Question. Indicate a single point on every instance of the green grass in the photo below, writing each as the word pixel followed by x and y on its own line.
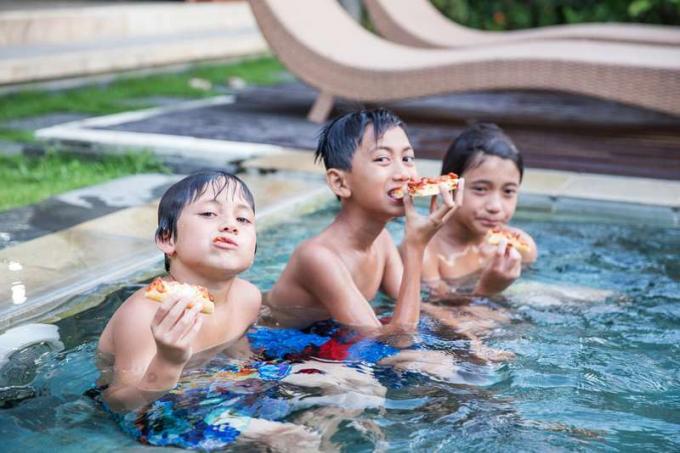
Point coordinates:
pixel 17 135
pixel 125 92
pixel 26 180
pixel 29 179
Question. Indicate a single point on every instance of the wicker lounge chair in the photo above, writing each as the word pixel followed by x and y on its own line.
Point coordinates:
pixel 418 23
pixel 322 45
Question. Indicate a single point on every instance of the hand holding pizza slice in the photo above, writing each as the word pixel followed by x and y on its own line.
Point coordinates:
pixel 159 290
pixel 513 239
pixel 425 186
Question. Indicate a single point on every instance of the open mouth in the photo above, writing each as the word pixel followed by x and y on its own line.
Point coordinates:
pixel 396 194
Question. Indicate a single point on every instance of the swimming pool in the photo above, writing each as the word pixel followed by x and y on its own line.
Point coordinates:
pixel 594 369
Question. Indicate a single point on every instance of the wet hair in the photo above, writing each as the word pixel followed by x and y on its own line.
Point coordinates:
pixel 480 139
pixel 190 189
pixel 340 138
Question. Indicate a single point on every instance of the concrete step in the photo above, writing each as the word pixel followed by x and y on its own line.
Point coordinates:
pixel 48 44
pixel 86 22
pixel 35 63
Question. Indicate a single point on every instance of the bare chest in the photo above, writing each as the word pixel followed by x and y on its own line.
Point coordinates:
pixel 217 333
pixel 455 264
pixel 367 272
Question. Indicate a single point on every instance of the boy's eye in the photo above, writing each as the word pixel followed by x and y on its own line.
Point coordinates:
pixel 409 159
pixel 381 159
pixel 243 220
pixel 208 214
pixel 510 191
pixel 479 189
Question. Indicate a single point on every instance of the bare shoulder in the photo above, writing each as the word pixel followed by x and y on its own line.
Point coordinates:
pixel 248 293
pixel 137 306
pixel 531 256
pixel 313 252
pixel 131 319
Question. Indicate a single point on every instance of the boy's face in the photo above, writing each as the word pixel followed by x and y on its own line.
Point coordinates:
pixel 490 195
pixel 378 168
pixel 215 234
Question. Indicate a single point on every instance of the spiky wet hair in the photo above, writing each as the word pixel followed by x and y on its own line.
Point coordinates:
pixel 341 137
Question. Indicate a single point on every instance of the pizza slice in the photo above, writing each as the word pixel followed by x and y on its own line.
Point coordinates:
pixel 159 290
pixel 425 187
pixel 514 239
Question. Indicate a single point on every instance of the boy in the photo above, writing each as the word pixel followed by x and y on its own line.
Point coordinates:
pixel 206 229
pixel 368 157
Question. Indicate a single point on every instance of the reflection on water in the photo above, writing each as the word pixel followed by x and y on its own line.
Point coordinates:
pixel 18 293
pixel 594 327
pixel 17 288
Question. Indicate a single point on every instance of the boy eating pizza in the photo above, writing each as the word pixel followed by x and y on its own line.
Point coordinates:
pixel 206 229
pixel 368 160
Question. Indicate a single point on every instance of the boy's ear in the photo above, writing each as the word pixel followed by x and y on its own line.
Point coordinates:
pixel 166 244
pixel 337 181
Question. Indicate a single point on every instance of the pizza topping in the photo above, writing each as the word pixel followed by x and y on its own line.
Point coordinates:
pixel 513 239
pixel 426 186
pixel 159 290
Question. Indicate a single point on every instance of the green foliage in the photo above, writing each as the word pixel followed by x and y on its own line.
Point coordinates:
pixel 28 179
pixel 517 14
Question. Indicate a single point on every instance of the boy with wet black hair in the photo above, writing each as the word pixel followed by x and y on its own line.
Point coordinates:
pixel 206 229
pixel 368 160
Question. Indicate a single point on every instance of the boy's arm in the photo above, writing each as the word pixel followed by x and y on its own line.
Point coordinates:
pixel 419 232
pixel 394 267
pixel 150 351
pixel 430 271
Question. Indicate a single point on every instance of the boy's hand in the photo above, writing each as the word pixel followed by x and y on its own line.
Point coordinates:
pixel 420 229
pixel 174 328
pixel 503 269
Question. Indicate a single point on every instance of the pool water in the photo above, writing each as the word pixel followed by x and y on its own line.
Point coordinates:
pixel 595 332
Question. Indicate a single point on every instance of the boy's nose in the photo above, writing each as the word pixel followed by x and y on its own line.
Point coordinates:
pixel 493 204
pixel 401 172
pixel 229 226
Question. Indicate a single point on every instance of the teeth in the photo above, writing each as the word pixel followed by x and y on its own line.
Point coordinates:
pixel 396 193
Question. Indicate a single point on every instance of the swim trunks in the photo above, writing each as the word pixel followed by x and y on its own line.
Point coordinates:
pixel 327 340
pixel 208 409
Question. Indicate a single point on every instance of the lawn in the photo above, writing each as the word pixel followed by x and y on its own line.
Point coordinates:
pixel 128 93
pixel 28 179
